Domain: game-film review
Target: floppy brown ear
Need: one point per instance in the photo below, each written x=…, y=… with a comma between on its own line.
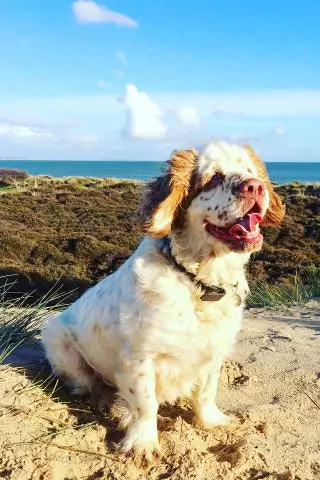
x=276, y=209
x=165, y=194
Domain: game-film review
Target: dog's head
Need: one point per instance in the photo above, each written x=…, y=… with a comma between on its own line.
x=222, y=194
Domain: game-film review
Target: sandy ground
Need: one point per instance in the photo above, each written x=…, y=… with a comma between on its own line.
x=271, y=386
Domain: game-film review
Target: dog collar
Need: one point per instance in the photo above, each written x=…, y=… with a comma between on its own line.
x=211, y=293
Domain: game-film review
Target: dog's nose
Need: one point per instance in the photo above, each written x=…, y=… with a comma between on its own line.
x=252, y=188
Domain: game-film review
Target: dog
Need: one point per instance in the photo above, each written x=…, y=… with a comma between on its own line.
x=161, y=326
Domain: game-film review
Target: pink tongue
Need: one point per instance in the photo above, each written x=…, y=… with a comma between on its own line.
x=246, y=224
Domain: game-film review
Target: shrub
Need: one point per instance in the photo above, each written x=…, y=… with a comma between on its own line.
x=10, y=176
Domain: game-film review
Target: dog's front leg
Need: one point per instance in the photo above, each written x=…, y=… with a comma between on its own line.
x=136, y=384
x=204, y=399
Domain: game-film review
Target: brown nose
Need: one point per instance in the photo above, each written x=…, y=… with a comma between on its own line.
x=252, y=188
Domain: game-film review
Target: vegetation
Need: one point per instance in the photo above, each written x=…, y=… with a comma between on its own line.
x=75, y=231
x=272, y=295
x=12, y=177
x=21, y=319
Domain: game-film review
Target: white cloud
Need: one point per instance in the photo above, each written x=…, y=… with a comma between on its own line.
x=105, y=106
x=86, y=139
x=187, y=116
x=5, y=129
x=88, y=11
x=270, y=134
x=122, y=58
x=264, y=103
x=143, y=116
x=282, y=131
x=23, y=132
x=48, y=134
x=102, y=84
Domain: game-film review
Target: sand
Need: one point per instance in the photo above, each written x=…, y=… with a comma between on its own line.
x=271, y=385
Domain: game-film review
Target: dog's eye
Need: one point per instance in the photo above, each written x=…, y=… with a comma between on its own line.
x=214, y=181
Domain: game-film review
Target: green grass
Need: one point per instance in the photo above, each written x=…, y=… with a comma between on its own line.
x=20, y=325
x=4, y=190
x=20, y=321
x=298, y=292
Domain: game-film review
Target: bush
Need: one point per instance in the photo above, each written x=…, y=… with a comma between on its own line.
x=10, y=176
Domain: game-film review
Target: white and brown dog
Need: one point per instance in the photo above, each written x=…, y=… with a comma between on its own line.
x=161, y=326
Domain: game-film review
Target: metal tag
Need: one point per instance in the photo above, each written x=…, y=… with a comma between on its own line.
x=212, y=297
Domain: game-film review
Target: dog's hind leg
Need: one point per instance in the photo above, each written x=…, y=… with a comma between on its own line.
x=65, y=360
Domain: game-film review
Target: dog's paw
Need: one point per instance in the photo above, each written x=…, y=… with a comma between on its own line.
x=142, y=453
x=141, y=443
x=209, y=417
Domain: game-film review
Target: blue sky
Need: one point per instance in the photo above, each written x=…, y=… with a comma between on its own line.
x=132, y=80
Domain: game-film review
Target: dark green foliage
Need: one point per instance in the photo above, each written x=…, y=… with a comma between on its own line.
x=78, y=230
x=293, y=250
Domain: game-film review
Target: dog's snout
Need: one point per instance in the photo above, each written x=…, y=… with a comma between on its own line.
x=252, y=188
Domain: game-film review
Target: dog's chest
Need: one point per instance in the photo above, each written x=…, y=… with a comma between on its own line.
x=194, y=351
x=202, y=332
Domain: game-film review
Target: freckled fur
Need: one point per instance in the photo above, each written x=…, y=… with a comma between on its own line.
x=149, y=334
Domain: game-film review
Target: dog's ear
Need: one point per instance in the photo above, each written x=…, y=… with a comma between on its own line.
x=165, y=194
x=276, y=209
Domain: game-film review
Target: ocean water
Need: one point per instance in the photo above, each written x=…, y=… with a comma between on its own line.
x=279, y=172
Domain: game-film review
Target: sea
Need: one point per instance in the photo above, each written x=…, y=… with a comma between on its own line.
x=279, y=172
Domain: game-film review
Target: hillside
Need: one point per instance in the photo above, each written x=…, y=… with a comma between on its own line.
x=78, y=230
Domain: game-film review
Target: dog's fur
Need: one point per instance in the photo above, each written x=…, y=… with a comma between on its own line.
x=145, y=329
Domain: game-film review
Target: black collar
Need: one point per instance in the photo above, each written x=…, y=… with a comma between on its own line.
x=210, y=293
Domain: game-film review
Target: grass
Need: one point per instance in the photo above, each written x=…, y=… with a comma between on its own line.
x=20, y=324
x=297, y=292
x=4, y=190
x=20, y=321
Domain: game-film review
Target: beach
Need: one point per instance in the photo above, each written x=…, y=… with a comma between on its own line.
x=63, y=235
x=215, y=105
x=270, y=386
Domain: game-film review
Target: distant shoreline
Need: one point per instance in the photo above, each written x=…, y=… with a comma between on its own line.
x=130, y=181
x=280, y=172
x=23, y=159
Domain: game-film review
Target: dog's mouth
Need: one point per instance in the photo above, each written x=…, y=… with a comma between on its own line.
x=245, y=229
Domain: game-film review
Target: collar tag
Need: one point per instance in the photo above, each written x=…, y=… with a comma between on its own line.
x=210, y=293
x=212, y=296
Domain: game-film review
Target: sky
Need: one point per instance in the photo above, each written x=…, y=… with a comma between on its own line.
x=118, y=79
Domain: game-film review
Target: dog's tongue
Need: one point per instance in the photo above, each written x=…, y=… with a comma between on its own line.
x=246, y=224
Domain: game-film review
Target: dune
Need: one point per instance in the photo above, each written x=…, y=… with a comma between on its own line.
x=271, y=387
x=75, y=231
